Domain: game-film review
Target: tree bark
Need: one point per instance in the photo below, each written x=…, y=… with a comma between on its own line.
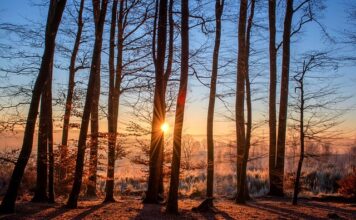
x=51, y=195
x=210, y=119
x=54, y=17
x=94, y=140
x=70, y=93
x=240, y=95
x=172, y=203
x=272, y=97
x=41, y=165
x=115, y=87
x=282, y=125
x=156, y=156
x=99, y=18
x=243, y=193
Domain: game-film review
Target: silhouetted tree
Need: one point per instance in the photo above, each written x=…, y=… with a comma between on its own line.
x=316, y=115
x=70, y=92
x=156, y=156
x=99, y=11
x=240, y=91
x=172, y=202
x=55, y=12
x=242, y=193
x=272, y=93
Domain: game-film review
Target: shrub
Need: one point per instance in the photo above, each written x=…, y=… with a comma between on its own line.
x=348, y=185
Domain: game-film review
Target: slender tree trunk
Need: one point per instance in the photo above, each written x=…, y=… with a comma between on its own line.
x=301, y=136
x=70, y=93
x=172, y=203
x=54, y=17
x=282, y=125
x=99, y=17
x=167, y=74
x=240, y=96
x=272, y=97
x=210, y=118
x=111, y=136
x=243, y=193
x=115, y=87
x=94, y=140
x=156, y=156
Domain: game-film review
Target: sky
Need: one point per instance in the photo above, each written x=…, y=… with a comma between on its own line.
x=334, y=18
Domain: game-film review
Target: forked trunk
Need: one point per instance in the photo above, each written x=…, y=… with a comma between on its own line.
x=99, y=18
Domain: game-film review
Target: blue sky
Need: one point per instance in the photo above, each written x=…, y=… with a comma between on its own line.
x=334, y=18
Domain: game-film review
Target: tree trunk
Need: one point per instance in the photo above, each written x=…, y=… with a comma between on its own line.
x=49, y=124
x=69, y=99
x=243, y=192
x=301, y=136
x=94, y=139
x=115, y=86
x=167, y=74
x=240, y=95
x=156, y=156
x=172, y=203
x=282, y=125
x=99, y=18
x=210, y=120
x=272, y=97
x=41, y=168
x=54, y=17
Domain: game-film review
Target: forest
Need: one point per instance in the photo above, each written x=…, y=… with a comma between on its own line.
x=177, y=109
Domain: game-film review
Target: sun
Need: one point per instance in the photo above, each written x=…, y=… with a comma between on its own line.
x=165, y=127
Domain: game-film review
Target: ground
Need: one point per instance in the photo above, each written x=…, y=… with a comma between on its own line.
x=132, y=208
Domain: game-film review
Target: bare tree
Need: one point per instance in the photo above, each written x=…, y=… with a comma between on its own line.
x=156, y=156
x=242, y=193
x=277, y=155
x=55, y=12
x=99, y=11
x=70, y=92
x=172, y=202
x=315, y=106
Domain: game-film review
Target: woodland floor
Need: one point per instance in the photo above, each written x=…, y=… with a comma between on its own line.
x=132, y=208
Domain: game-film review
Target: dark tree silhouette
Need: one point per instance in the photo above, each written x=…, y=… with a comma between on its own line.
x=208, y=202
x=99, y=11
x=240, y=91
x=316, y=115
x=41, y=164
x=283, y=104
x=172, y=202
x=70, y=92
x=55, y=12
x=272, y=94
x=242, y=193
x=156, y=156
